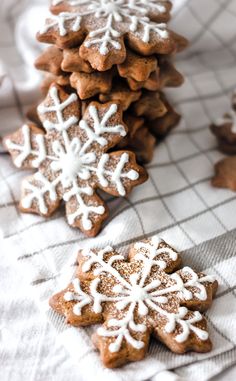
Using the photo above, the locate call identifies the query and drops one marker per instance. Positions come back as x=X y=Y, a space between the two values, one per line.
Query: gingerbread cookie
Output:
x=32 y=115
x=137 y=297
x=164 y=76
x=169 y=76
x=89 y=85
x=72 y=62
x=225 y=174
x=50 y=60
x=161 y=126
x=150 y=105
x=134 y=124
x=151 y=84
x=225 y=130
x=142 y=144
x=139 y=139
x=72 y=161
x=180 y=42
x=122 y=94
x=61 y=80
x=137 y=67
x=224 y=146
x=102 y=28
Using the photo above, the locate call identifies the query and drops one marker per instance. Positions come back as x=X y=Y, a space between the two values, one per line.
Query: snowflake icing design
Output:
x=115 y=18
x=138 y=296
x=72 y=159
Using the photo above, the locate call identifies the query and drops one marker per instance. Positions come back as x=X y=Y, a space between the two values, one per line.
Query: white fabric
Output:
x=177 y=202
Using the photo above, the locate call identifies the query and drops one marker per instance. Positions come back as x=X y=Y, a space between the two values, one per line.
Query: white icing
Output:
x=72 y=161
x=229 y=118
x=122 y=331
x=58 y=107
x=115 y=177
x=64 y=22
x=83 y=210
x=116 y=16
x=38 y=192
x=26 y=149
x=194 y=281
x=101 y=127
x=137 y=294
x=187 y=325
x=82 y=299
x=154 y=253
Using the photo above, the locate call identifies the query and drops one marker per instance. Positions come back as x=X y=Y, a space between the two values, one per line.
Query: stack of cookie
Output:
x=120 y=51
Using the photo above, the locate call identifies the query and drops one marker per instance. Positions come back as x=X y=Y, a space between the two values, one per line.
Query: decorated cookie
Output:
x=72 y=161
x=102 y=28
x=225 y=174
x=137 y=297
x=225 y=130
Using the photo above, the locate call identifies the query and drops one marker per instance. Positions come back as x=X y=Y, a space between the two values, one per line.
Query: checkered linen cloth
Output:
x=176 y=203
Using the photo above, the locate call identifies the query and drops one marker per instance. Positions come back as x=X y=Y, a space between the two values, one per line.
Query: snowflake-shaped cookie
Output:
x=137 y=297
x=106 y=25
x=72 y=161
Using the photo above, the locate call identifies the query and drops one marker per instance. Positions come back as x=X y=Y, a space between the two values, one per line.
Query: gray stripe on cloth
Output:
x=127 y=242
x=208 y=254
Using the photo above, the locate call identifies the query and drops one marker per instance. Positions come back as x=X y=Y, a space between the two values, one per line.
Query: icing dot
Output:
x=138 y=293
x=133 y=175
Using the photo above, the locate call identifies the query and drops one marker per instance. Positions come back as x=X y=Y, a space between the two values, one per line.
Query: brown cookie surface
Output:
x=50 y=60
x=122 y=94
x=138 y=139
x=150 y=105
x=73 y=62
x=137 y=297
x=161 y=126
x=88 y=85
x=137 y=67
